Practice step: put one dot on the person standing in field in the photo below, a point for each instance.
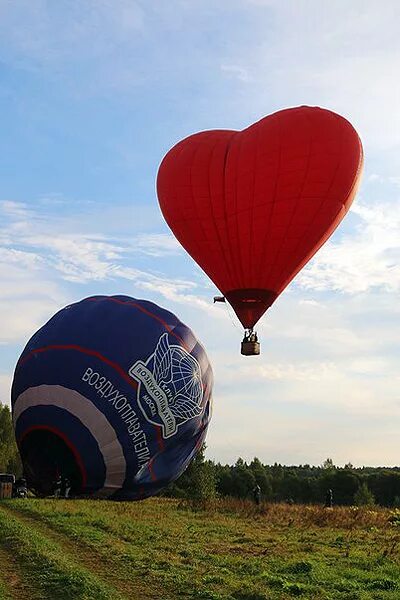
(257, 494)
(329, 499)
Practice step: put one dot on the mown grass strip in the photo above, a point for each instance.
(132, 565)
(13, 585)
(96, 553)
(51, 569)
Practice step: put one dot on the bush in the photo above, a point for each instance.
(364, 496)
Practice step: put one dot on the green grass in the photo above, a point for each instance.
(159, 548)
(4, 593)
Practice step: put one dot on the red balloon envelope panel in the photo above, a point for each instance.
(252, 207)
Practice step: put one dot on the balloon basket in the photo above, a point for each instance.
(250, 348)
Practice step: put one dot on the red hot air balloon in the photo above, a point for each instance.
(252, 207)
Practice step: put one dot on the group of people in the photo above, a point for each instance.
(250, 336)
(62, 487)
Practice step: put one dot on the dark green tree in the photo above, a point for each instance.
(198, 482)
(243, 479)
(224, 480)
(385, 485)
(364, 496)
(343, 483)
(9, 457)
(328, 464)
(290, 488)
(261, 478)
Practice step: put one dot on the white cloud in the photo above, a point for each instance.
(37, 261)
(77, 257)
(291, 372)
(26, 260)
(13, 209)
(156, 244)
(236, 71)
(5, 388)
(28, 296)
(279, 432)
(39, 30)
(367, 258)
(351, 385)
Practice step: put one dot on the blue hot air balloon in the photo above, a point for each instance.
(114, 394)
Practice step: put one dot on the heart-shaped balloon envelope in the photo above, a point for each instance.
(252, 207)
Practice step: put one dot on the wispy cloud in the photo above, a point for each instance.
(5, 388)
(42, 32)
(28, 239)
(277, 432)
(36, 259)
(28, 296)
(236, 71)
(365, 259)
(14, 210)
(156, 244)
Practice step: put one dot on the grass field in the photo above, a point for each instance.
(159, 548)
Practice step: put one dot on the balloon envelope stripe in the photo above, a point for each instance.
(82, 423)
(78, 432)
(160, 440)
(151, 471)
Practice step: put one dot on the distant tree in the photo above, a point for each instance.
(364, 496)
(308, 490)
(328, 464)
(224, 480)
(385, 485)
(198, 482)
(9, 455)
(201, 473)
(343, 483)
(261, 478)
(243, 479)
(277, 473)
(300, 484)
(289, 487)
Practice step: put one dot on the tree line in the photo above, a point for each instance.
(304, 484)
(9, 457)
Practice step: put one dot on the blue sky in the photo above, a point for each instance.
(92, 95)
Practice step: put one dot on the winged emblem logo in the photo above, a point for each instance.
(170, 387)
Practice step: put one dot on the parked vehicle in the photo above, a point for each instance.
(7, 481)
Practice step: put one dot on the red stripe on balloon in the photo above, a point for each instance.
(88, 351)
(160, 439)
(145, 311)
(151, 470)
